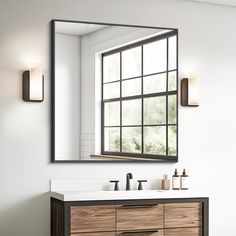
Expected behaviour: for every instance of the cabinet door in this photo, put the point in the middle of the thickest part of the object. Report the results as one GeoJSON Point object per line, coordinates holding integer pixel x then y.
{"type": "Point", "coordinates": [184, 232]}
{"type": "Point", "coordinates": [183, 215]}
{"type": "Point", "coordinates": [95, 234]}
{"type": "Point", "coordinates": [140, 217]}
{"type": "Point", "coordinates": [92, 219]}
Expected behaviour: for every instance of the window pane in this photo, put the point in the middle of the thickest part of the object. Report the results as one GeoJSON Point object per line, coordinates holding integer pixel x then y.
{"type": "Point", "coordinates": [172, 53]}
{"type": "Point", "coordinates": [154, 83]}
{"type": "Point", "coordinates": [155, 140]}
{"type": "Point", "coordinates": [112, 113]}
{"type": "Point", "coordinates": [112, 139]}
{"type": "Point", "coordinates": [131, 87]}
{"type": "Point", "coordinates": [131, 112]}
{"type": "Point", "coordinates": [155, 56]}
{"type": "Point", "coordinates": [172, 109]}
{"type": "Point", "coordinates": [131, 139]}
{"type": "Point", "coordinates": [172, 140]}
{"type": "Point", "coordinates": [155, 110]}
{"type": "Point", "coordinates": [172, 81]}
{"type": "Point", "coordinates": [111, 67]}
{"type": "Point", "coordinates": [131, 63]}
{"type": "Point", "coordinates": [111, 90]}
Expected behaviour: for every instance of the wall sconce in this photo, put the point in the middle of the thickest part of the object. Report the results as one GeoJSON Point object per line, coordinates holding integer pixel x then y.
{"type": "Point", "coordinates": [33, 85]}
{"type": "Point", "coordinates": [189, 93]}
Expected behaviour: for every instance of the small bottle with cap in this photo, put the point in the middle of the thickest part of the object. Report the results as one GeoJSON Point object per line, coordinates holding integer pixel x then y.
{"type": "Point", "coordinates": [176, 181]}
{"type": "Point", "coordinates": [184, 181]}
{"type": "Point", "coordinates": [165, 183]}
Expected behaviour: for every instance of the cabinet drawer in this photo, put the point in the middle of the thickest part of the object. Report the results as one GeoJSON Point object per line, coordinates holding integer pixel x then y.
{"type": "Point", "coordinates": [141, 233]}
{"type": "Point", "coordinates": [140, 217]}
{"type": "Point", "coordinates": [95, 234]}
{"type": "Point", "coordinates": [183, 215]}
{"type": "Point", "coordinates": [184, 232]}
{"type": "Point", "coordinates": [92, 218]}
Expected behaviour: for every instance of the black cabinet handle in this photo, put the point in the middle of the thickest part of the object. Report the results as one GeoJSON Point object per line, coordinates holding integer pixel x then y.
{"type": "Point", "coordinates": [143, 232]}
{"type": "Point", "coordinates": [140, 205]}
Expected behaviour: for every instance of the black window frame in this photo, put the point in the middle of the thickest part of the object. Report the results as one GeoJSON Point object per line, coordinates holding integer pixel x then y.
{"type": "Point", "coordinates": [142, 156]}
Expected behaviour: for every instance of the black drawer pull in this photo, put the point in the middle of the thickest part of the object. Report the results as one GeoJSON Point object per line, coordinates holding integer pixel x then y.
{"type": "Point", "coordinates": [140, 206]}
{"type": "Point", "coordinates": [146, 232]}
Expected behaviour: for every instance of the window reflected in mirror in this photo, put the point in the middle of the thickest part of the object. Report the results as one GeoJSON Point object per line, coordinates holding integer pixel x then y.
{"type": "Point", "coordinates": [114, 92]}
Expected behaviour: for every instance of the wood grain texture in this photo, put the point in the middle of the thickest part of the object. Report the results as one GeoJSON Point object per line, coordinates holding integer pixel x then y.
{"type": "Point", "coordinates": [183, 215]}
{"type": "Point", "coordinates": [159, 233]}
{"type": "Point", "coordinates": [135, 218]}
{"type": "Point", "coordinates": [95, 234]}
{"type": "Point", "coordinates": [197, 231]}
{"type": "Point", "coordinates": [92, 218]}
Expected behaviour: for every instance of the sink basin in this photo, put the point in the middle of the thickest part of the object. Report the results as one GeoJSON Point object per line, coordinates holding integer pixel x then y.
{"type": "Point", "coordinates": [124, 195]}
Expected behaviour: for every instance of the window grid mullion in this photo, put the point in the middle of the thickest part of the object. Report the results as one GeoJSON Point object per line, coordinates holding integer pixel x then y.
{"type": "Point", "coordinates": [142, 111]}
{"type": "Point", "coordinates": [167, 80]}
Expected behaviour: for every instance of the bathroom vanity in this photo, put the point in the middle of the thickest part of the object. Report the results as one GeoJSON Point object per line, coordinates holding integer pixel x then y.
{"type": "Point", "coordinates": [130, 213]}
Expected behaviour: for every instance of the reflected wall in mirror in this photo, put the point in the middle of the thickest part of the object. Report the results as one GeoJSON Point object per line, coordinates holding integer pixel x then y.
{"type": "Point", "coordinates": [114, 92]}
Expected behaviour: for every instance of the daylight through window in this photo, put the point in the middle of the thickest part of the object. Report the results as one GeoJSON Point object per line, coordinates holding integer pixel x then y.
{"type": "Point", "coordinates": [139, 99]}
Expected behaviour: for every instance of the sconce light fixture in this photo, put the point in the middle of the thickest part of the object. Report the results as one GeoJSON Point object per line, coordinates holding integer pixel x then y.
{"type": "Point", "coordinates": [189, 93]}
{"type": "Point", "coordinates": [33, 85]}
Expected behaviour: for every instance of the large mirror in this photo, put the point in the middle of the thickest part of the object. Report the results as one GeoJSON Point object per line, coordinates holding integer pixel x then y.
{"type": "Point", "coordinates": [114, 92]}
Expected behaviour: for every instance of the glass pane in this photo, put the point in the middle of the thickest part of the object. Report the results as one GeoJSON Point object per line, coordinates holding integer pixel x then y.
{"type": "Point", "coordinates": [154, 83]}
{"type": "Point", "coordinates": [112, 140]}
{"type": "Point", "coordinates": [154, 57]}
{"type": "Point", "coordinates": [112, 113]}
{"type": "Point", "coordinates": [172, 53]}
{"type": "Point", "coordinates": [131, 87]}
{"type": "Point", "coordinates": [172, 140]}
{"type": "Point", "coordinates": [172, 109]}
{"type": "Point", "coordinates": [131, 112]}
{"type": "Point", "coordinates": [155, 140]}
{"type": "Point", "coordinates": [131, 63]}
{"type": "Point", "coordinates": [111, 90]}
{"type": "Point", "coordinates": [172, 81]}
{"type": "Point", "coordinates": [155, 110]}
{"type": "Point", "coordinates": [131, 139]}
{"type": "Point", "coordinates": [111, 67]}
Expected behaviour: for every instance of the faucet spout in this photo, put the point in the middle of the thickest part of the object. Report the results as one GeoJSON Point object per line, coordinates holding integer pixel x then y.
{"type": "Point", "coordinates": [128, 177]}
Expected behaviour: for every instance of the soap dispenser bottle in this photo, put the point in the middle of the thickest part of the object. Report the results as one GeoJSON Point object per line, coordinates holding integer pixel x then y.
{"type": "Point", "coordinates": [176, 181]}
{"type": "Point", "coordinates": [184, 181]}
{"type": "Point", "coordinates": [165, 183]}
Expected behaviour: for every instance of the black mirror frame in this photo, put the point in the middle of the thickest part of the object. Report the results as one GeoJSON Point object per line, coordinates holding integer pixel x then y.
{"type": "Point", "coordinates": [164, 159]}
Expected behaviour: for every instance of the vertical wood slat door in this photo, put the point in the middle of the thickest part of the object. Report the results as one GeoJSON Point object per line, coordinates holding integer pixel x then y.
{"type": "Point", "coordinates": [183, 215]}
{"type": "Point", "coordinates": [196, 231]}
{"type": "Point", "coordinates": [92, 219]}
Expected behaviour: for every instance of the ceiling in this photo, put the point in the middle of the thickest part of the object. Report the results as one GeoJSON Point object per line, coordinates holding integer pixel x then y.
{"type": "Point", "coordinates": [221, 2]}
{"type": "Point", "coordinates": [75, 28]}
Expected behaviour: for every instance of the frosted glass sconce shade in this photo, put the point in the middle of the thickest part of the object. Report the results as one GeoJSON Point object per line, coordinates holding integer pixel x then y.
{"type": "Point", "coordinates": [189, 93]}
{"type": "Point", "coordinates": [33, 85]}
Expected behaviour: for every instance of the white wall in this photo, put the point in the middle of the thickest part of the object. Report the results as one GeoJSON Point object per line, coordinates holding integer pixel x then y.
{"type": "Point", "coordinates": [67, 97]}
{"type": "Point", "coordinates": [206, 134]}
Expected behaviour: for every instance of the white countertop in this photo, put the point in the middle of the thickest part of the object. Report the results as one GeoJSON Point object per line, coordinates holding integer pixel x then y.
{"type": "Point", "coordinates": [126, 195]}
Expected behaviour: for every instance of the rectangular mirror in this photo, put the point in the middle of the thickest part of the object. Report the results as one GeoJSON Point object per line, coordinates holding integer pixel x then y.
{"type": "Point", "coordinates": [114, 92]}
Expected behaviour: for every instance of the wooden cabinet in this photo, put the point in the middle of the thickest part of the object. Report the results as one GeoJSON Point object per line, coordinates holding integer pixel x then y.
{"type": "Point", "coordinates": [92, 218]}
{"type": "Point", "coordinates": [96, 234]}
{"type": "Point", "coordinates": [195, 231]}
{"type": "Point", "coordinates": [156, 217]}
{"type": "Point", "coordinates": [141, 233]}
{"type": "Point", "coordinates": [140, 216]}
{"type": "Point", "coordinates": [183, 215]}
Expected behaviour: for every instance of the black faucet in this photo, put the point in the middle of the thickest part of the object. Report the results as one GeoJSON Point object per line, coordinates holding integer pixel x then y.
{"type": "Point", "coordinates": [128, 177]}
